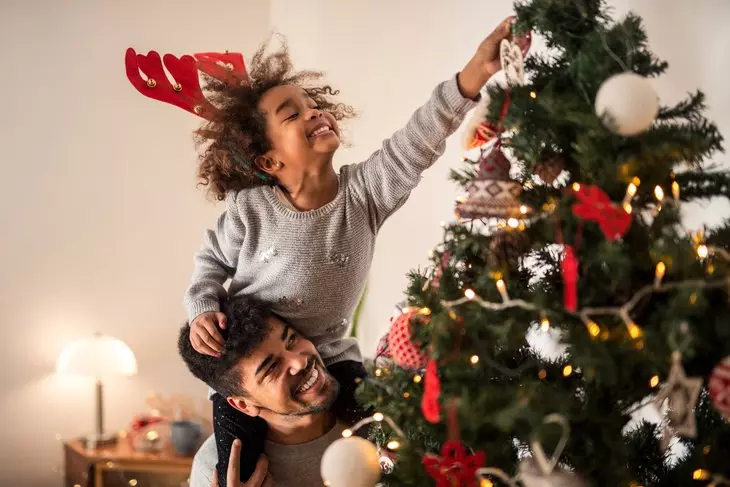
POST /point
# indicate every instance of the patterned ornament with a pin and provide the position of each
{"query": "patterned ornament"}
(513, 63)
(454, 468)
(719, 386)
(595, 205)
(492, 193)
(549, 170)
(681, 394)
(478, 130)
(405, 353)
(505, 249)
(430, 406)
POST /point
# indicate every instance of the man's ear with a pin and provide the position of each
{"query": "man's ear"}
(243, 405)
(268, 164)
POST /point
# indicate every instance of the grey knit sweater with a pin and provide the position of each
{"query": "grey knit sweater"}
(312, 265)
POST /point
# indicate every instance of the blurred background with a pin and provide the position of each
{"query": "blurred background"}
(99, 211)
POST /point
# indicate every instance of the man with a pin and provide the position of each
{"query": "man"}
(269, 371)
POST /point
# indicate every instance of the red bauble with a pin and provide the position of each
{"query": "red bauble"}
(454, 467)
(406, 353)
(719, 386)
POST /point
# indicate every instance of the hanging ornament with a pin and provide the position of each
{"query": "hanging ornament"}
(350, 462)
(569, 272)
(506, 248)
(439, 272)
(405, 353)
(454, 468)
(430, 406)
(627, 103)
(493, 193)
(549, 170)
(541, 471)
(719, 387)
(595, 205)
(681, 394)
(478, 130)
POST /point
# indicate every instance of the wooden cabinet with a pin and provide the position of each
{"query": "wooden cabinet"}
(120, 465)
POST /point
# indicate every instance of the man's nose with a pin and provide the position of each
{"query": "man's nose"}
(296, 362)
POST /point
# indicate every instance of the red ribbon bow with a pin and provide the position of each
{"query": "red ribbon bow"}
(595, 205)
(454, 468)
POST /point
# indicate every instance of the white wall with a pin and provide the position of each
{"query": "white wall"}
(387, 56)
(98, 209)
(99, 213)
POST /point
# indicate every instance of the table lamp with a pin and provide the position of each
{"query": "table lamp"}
(98, 357)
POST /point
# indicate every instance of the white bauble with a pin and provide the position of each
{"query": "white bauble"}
(350, 462)
(629, 102)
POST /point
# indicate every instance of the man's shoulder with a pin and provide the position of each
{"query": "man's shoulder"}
(204, 464)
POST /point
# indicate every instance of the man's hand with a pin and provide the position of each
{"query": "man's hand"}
(260, 478)
(485, 62)
(204, 334)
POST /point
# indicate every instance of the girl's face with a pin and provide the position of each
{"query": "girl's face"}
(302, 136)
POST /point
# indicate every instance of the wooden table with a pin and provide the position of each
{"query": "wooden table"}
(119, 465)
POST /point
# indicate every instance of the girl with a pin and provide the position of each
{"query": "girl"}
(295, 232)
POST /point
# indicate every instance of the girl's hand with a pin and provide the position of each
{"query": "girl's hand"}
(485, 62)
(260, 478)
(204, 334)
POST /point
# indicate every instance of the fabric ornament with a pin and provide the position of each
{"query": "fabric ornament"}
(454, 468)
(492, 193)
(569, 272)
(719, 387)
(405, 353)
(430, 406)
(681, 394)
(594, 205)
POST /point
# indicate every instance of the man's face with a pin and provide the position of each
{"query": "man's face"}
(285, 376)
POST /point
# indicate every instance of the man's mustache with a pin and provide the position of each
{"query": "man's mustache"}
(303, 374)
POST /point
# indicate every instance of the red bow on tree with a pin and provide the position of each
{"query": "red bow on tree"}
(595, 205)
(454, 468)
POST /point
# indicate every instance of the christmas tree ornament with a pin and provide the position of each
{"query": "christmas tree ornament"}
(478, 130)
(549, 170)
(430, 406)
(513, 64)
(493, 193)
(453, 468)
(405, 353)
(627, 103)
(719, 387)
(594, 205)
(541, 471)
(350, 462)
(681, 394)
(569, 272)
(506, 248)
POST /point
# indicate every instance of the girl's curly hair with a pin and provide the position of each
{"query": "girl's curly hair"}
(237, 133)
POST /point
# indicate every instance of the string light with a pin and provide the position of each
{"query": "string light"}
(474, 359)
(406, 395)
(378, 372)
(593, 329)
(702, 251)
(545, 324)
(502, 288)
(700, 474)
(654, 381)
(393, 445)
(542, 374)
(132, 482)
(523, 209)
(675, 191)
(706, 449)
(347, 433)
(417, 379)
(567, 370)
(634, 330)
(378, 417)
(576, 187)
(513, 223)
(486, 483)
(533, 95)
(659, 193)
(425, 311)
(661, 269)
(470, 294)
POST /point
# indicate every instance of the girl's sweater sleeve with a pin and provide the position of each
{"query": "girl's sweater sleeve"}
(216, 261)
(384, 181)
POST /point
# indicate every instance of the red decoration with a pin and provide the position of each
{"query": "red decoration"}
(719, 386)
(454, 468)
(431, 391)
(569, 270)
(406, 353)
(439, 272)
(185, 92)
(595, 205)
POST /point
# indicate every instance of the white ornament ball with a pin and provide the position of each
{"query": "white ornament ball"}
(350, 462)
(629, 102)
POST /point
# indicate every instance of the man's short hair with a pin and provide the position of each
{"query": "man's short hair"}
(247, 326)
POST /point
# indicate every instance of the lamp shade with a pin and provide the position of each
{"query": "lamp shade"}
(98, 356)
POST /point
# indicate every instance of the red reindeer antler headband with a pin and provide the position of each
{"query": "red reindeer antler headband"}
(185, 92)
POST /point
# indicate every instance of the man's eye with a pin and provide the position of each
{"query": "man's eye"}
(292, 339)
(292, 116)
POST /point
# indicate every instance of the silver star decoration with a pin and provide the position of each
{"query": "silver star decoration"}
(681, 394)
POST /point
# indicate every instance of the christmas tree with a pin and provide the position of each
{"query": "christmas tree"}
(570, 225)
